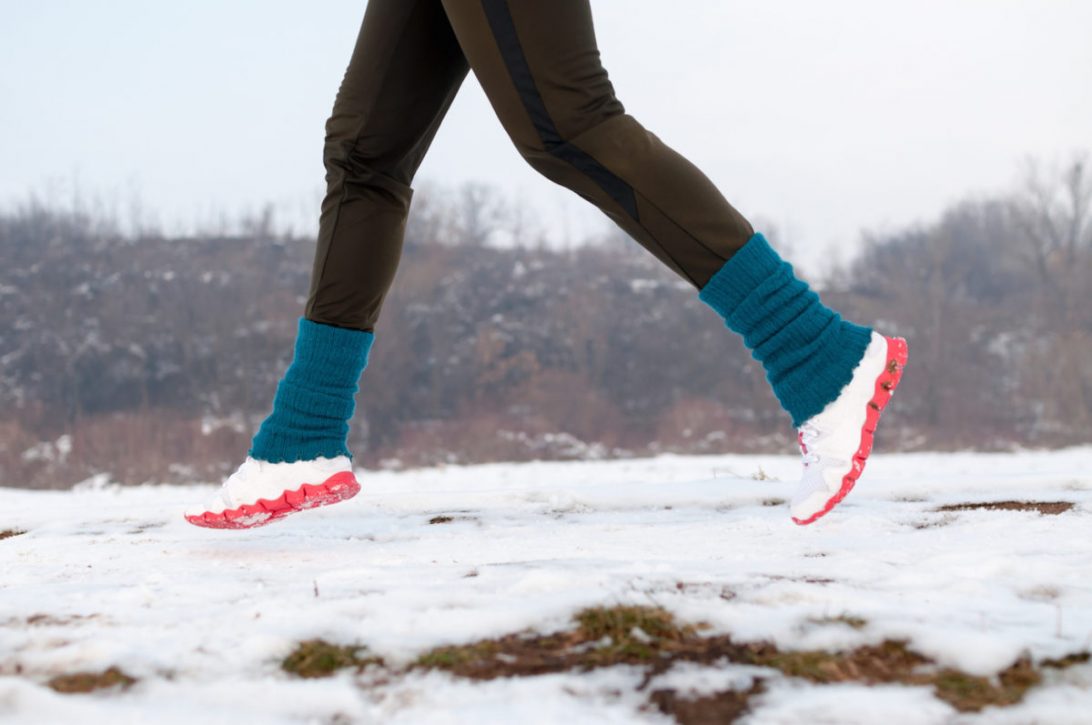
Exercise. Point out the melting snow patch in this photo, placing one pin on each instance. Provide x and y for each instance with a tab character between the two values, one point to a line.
201	619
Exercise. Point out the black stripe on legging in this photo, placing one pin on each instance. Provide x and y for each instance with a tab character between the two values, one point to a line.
504	31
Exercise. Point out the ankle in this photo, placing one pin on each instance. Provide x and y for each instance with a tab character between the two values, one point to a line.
315	400
808	351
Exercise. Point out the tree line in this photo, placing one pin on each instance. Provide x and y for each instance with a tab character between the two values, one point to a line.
152	358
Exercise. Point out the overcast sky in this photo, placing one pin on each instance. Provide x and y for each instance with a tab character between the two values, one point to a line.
822	118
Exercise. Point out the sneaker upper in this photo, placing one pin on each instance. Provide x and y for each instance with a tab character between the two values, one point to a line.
830	440
256	479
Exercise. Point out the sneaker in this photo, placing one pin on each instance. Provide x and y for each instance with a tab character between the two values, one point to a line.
836	442
260	492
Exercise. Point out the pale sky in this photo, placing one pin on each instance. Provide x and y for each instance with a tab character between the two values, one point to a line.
822	118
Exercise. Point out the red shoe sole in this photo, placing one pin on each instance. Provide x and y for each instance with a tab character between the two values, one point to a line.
338	487
888	380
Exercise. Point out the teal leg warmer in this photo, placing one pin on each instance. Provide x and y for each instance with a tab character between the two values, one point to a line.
808	350
315	398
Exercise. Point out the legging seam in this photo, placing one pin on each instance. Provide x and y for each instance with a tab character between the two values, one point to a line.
637	219
499	17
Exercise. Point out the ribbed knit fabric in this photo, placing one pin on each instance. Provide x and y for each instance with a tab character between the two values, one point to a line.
808	350
315	398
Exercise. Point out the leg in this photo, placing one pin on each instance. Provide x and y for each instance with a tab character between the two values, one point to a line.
404	73
539	64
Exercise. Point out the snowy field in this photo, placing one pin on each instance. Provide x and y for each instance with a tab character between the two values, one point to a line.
108	577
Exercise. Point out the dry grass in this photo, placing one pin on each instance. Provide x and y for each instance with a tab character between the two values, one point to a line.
83	682
1070	660
49	620
318	658
650	636
720	707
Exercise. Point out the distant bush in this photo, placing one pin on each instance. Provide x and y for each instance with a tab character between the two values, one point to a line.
154	358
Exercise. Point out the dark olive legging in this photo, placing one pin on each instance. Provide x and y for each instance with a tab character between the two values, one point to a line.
539	65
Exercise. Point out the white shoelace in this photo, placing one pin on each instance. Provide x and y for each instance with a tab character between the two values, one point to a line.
809	437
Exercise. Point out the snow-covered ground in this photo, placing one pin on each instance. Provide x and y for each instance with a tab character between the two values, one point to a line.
109	576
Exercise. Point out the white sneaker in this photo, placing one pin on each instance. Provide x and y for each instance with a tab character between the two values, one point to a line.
260	492
836	442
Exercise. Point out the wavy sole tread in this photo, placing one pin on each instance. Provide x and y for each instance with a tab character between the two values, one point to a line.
339	487
888	380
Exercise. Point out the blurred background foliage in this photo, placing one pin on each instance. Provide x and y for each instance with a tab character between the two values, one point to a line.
148	358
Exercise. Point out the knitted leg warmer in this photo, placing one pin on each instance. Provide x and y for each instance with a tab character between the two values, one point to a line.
808	351
315	399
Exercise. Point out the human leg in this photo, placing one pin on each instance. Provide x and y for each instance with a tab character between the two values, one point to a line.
540	67
405	70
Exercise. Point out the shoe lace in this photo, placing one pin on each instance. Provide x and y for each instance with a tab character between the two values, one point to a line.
809	438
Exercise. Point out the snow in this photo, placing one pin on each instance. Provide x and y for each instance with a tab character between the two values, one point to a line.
850	704
202	618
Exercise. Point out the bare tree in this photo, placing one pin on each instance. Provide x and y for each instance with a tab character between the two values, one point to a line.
479	212
1053	212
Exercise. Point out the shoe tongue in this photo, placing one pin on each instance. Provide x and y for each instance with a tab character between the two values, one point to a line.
244	471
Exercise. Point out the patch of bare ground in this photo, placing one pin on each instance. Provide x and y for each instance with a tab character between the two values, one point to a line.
935	523
8	533
726	706
448	518
1047	508
318	658
1070	660
651	638
83	682
49	620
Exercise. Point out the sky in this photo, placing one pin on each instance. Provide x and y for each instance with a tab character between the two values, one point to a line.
816	119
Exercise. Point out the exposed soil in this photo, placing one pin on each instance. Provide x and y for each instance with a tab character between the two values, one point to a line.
8	533
1071	660
720	707
1048	508
49	620
652	638
317	658
447	518
82	682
